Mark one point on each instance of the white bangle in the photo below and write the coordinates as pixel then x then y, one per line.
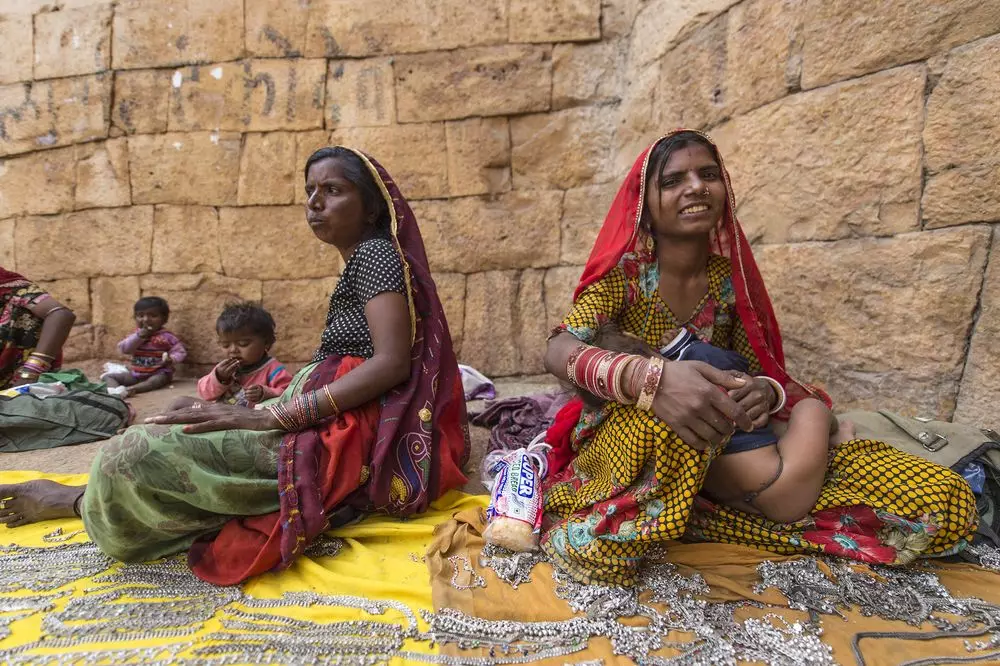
pixel 780 390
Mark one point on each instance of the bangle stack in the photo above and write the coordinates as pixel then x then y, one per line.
pixel 303 411
pixel 36 364
pixel 651 382
pixel 600 372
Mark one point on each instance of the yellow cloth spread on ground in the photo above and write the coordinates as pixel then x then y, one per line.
pixel 381 559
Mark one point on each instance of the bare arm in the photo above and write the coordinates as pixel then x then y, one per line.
pixel 56 324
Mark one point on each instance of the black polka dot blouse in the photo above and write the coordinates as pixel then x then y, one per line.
pixel 373 269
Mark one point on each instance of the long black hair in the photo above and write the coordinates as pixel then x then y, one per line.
pixel 359 175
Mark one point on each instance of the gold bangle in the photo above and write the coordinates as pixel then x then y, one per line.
pixel 329 397
pixel 654 372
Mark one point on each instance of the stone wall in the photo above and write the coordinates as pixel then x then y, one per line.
pixel 156 148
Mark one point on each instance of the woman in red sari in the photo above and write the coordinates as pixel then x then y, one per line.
pixel 626 476
pixel 376 424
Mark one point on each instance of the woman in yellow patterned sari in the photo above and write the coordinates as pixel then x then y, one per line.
pixel 626 476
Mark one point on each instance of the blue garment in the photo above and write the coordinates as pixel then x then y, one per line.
pixel 687 347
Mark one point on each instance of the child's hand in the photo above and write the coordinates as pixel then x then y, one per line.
pixel 254 393
pixel 146 333
pixel 168 361
pixel 226 370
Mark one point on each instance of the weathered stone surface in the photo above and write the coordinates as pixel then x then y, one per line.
pixel 74 294
pixel 102 175
pixel 663 24
pixel 881 323
pixel 451 291
pixel 112 301
pixel 71 42
pixel 16 58
pixel 184 168
pixel 690 92
pixel 560 283
pixel 412 154
pixel 555 21
pixel 306 143
pixel 963 112
pixel 637 126
pixel 584 210
pixel 830 163
pixel 530 328
pixel 515 230
pixel 494 342
pixel 141 101
pixel 193 311
pixel 7 244
pixel 348 28
pixel 478 156
pixel 79 346
pixel 561 150
pixel 977 398
pixel 299 309
pixel 105 241
pixel 267 169
pixel 281 247
pixel 161 34
pixel 846 38
pixel 254 95
pixel 961 195
pixel 186 239
pixel 276 29
pixel 360 93
pixel 54 113
pixel 617 17
pixel 37 184
pixel 763 52
pixel 585 74
pixel 489 81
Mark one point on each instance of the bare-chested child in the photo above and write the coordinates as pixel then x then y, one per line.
pixel 772 470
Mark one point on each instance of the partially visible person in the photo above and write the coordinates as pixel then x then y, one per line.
pixel 33 328
pixel 154 350
pixel 249 374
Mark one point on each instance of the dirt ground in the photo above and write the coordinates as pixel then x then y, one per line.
pixel 77 459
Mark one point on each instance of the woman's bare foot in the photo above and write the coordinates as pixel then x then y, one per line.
pixel 845 432
pixel 34 501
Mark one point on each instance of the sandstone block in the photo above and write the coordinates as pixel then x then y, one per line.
pixel 961 195
pixel 281 247
pixel 489 81
pixel 555 21
pixel 830 163
pixel 564 149
pixel 254 95
pixel 141 101
pixel 74 293
pixel 54 113
pixel 451 291
pixel 530 327
pixel 306 143
pixel 7 244
pixel 299 309
pixel 980 391
pixel 184 168
pixel 105 241
pixel 113 301
pixel 584 210
pixel 894 335
pixel 637 126
pixel 763 52
pixel 560 283
pixel 617 17
pixel 71 42
pixel 16 36
pixel 347 28
pixel 267 169
pixel 102 179
pixel 79 346
pixel 963 112
pixel 412 154
pixel 161 34
pixel 662 24
pixel 186 240
pixel 37 184
pixel 193 312
pixel 514 230
pixel 493 341
pixel 585 74
pixel 846 38
pixel 360 93
pixel 478 156
pixel 276 29
pixel 690 92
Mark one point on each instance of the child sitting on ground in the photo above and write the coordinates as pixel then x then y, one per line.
pixel 758 471
pixel 154 350
pixel 249 374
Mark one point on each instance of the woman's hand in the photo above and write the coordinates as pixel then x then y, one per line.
pixel 209 417
pixel 756 397
pixel 690 402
